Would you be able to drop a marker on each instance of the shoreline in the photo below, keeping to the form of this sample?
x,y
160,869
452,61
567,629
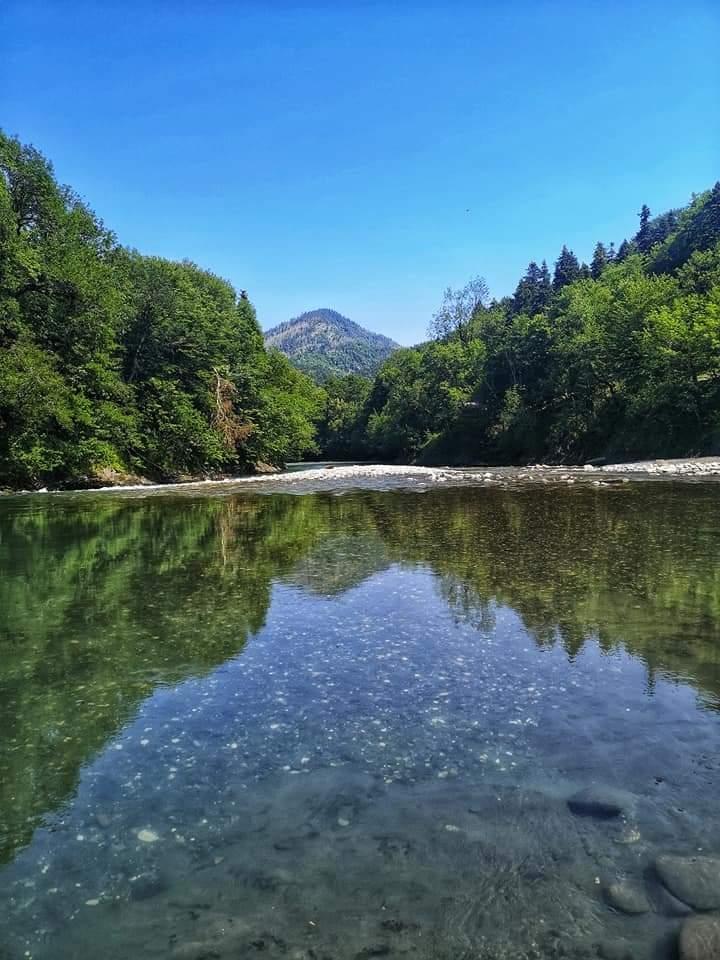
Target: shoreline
x,y
686,468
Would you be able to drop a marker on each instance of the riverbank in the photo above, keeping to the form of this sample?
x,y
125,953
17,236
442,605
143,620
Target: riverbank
x,y
303,478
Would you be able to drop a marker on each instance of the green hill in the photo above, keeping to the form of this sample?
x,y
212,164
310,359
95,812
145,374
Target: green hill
x,y
324,343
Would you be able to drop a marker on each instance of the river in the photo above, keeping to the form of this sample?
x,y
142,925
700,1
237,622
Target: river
x,y
336,723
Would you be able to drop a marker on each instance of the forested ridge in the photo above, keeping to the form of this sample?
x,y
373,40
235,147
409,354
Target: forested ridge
x,y
114,364
617,358
323,343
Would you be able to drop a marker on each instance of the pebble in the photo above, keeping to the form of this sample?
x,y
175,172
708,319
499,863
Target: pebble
x,y
627,899
148,836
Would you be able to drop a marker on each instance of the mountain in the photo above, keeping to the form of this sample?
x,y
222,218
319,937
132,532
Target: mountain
x,y
324,343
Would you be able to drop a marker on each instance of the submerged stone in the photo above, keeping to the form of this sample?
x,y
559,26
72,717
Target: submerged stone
x,y
148,836
615,950
700,938
147,885
694,880
627,899
601,802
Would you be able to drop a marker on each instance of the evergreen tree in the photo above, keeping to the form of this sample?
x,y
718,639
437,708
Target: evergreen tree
x,y
624,251
642,237
531,293
567,269
545,283
599,261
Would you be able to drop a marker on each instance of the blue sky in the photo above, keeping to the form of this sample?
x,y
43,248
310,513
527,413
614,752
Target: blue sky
x,y
365,155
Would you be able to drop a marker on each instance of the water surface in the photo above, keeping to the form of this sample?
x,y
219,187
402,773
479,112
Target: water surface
x,y
346,724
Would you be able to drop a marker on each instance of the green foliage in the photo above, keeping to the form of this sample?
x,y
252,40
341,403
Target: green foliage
x,y
619,359
567,269
111,361
340,432
533,292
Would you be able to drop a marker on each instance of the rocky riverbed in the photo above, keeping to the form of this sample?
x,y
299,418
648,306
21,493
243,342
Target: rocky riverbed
x,y
389,476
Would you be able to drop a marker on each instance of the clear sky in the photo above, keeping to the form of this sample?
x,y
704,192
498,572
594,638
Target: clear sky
x,y
364,155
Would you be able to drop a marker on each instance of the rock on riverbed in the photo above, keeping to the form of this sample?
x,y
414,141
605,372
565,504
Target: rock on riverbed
x,y
627,899
700,938
602,802
694,880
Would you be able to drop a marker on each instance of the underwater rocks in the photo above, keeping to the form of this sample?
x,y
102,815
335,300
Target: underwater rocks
x,y
601,802
147,836
627,899
615,950
694,880
700,938
148,884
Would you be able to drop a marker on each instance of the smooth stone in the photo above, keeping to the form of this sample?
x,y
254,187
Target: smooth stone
x,y
147,885
147,836
599,801
668,905
694,880
615,950
627,899
700,938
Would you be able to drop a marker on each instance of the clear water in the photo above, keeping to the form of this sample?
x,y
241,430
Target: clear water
x,y
346,724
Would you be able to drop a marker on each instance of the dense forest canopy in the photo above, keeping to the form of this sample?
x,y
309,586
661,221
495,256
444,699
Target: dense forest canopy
x,y
114,364
618,358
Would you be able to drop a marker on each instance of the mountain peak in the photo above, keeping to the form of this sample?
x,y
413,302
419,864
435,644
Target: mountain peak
x,y
324,343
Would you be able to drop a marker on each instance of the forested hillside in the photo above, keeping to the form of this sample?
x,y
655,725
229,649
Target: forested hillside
x,y
618,358
113,363
324,343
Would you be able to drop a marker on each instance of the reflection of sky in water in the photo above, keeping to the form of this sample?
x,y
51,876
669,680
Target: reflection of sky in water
x,y
384,681
383,678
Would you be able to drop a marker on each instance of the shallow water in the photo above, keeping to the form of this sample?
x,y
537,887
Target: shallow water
x,y
346,724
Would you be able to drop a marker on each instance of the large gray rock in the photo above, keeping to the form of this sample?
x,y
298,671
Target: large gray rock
x,y
626,898
599,801
700,938
694,880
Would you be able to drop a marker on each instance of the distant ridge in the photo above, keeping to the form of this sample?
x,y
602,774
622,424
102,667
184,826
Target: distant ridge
x,y
324,343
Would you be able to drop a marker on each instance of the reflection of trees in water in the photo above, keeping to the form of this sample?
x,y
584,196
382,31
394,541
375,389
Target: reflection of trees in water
x,y
339,562
104,598
634,566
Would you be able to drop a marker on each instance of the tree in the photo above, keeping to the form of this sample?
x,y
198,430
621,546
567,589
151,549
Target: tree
x,y
599,261
458,310
624,251
642,237
532,293
567,269
111,361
